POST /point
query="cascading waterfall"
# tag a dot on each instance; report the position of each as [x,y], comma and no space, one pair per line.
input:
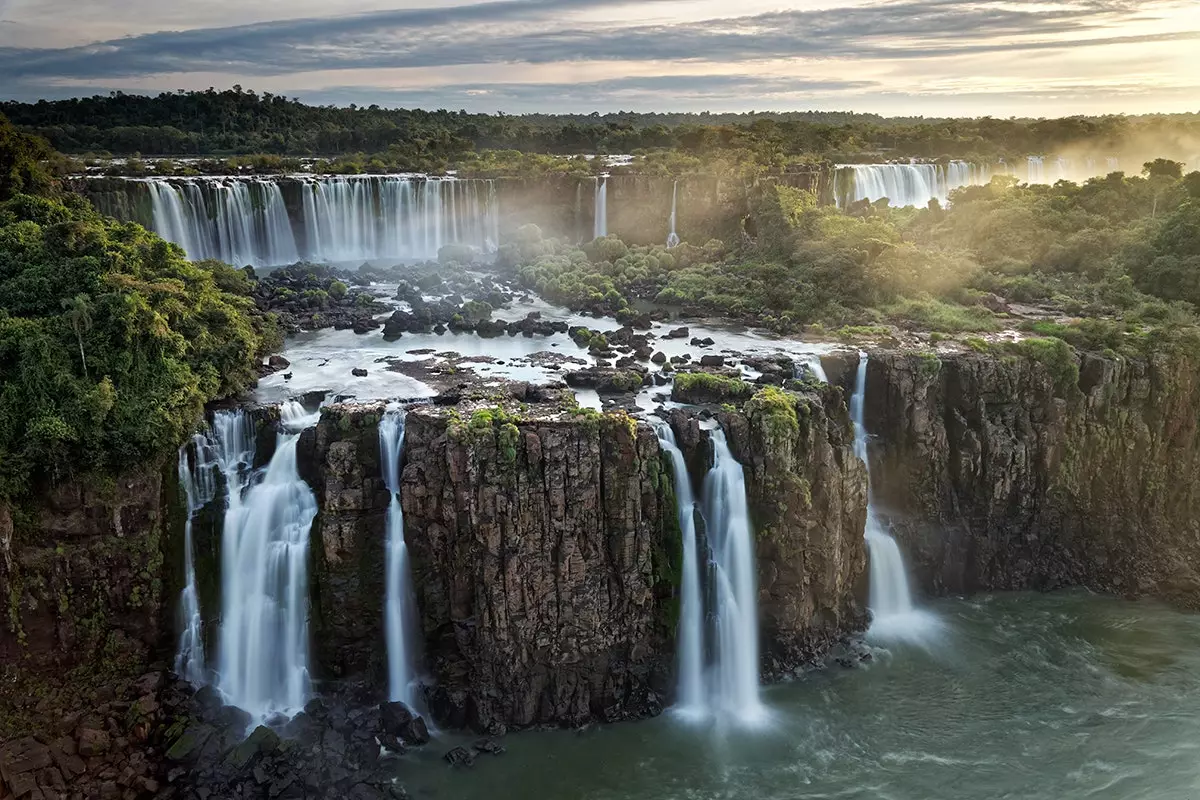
[673,237]
[905,184]
[690,699]
[600,223]
[340,218]
[400,610]
[198,481]
[733,677]
[263,644]
[1036,170]
[890,600]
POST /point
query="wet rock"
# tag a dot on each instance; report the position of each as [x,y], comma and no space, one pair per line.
[260,743]
[93,742]
[459,757]
[705,342]
[22,756]
[659,357]
[358,372]
[490,746]
[277,363]
[678,333]
[397,719]
[712,361]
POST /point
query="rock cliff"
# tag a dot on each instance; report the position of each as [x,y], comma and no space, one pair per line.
[542,554]
[1009,473]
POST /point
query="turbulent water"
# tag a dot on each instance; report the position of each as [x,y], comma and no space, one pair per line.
[263,646]
[732,690]
[1036,697]
[400,610]
[690,696]
[265,222]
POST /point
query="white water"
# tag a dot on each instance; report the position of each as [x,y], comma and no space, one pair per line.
[359,218]
[906,184]
[400,610]
[198,481]
[733,676]
[263,645]
[600,224]
[673,237]
[690,697]
[893,615]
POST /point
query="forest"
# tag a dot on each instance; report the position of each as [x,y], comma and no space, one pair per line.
[111,342]
[238,122]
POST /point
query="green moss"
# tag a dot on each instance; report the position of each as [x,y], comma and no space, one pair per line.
[929,363]
[705,387]
[776,410]
[1057,356]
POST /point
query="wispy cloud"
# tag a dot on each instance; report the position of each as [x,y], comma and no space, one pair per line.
[550,33]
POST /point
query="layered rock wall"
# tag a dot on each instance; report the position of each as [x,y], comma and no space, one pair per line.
[543,554]
[1003,473]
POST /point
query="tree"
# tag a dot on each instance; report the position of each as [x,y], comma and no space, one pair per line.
[79,314]
[1163,168]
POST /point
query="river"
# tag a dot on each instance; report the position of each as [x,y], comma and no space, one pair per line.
[1023,696]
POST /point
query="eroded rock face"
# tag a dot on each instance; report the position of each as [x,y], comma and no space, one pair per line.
[541,562]
[999,476]
[83,573]
[808,499]
[349,542]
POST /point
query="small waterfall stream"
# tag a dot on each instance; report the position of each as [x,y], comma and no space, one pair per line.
[690,699]
[600,224]
[734,674]
[673,237]
[890,600]
[400,610]
[263,645]
[198,481]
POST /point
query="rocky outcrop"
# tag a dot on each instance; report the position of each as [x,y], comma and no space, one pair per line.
[542,551]
[82,573]
[808,496]
[1011,473]
[341,464]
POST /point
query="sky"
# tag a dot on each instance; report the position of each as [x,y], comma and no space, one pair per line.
[894,57]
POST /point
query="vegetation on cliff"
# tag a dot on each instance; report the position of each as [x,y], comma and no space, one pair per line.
[1104,263]
[110,341]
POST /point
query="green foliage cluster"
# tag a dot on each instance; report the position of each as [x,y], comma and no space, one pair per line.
[488,424]
[707,387]
[110,341]
[1057,356]
[777,410]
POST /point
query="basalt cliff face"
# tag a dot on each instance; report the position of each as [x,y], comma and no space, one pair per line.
[808,500]
[1001,473]
[541,557]
[82,573]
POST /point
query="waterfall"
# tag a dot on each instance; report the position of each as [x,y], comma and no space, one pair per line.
[690,698]
[890,600]
[198,481]
[1112,165]
[733,678]
[401,620]
[673,237]
[600,224]
[263,644]
[338,218]
[1036,169]
[905,184]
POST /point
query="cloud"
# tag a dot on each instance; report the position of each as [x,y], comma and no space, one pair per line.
[548,34]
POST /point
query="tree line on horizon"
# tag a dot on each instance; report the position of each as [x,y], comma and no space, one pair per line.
[240,122]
